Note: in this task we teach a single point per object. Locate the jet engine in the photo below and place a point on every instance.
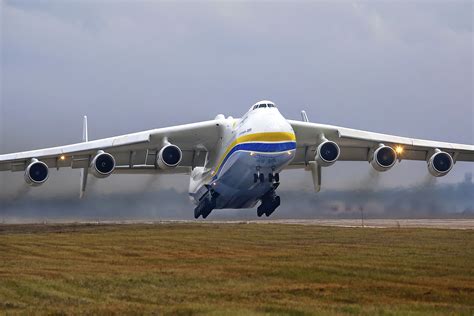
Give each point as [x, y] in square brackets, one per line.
[440, 163]
[327, 153]
[36, 173]
[169, 157]
[383, 158]
[103, 164]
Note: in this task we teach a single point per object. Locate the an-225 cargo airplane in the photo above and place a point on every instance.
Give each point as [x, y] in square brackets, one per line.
[235, 163]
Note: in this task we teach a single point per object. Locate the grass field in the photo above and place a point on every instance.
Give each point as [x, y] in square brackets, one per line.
[234, 269]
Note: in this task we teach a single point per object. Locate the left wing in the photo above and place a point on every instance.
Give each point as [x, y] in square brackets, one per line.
[358, 145]
[132, 153]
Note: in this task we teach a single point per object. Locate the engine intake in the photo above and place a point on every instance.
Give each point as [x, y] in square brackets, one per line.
[383, 158]
[36, 173]
[440, 163]
[327, 153]
[169, 157]
[103, 164]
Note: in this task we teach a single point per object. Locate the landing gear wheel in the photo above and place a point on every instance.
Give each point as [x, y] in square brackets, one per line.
[206, 205]
[197, 213]
[275, 204]
[270, 177]
[262, 178]
[277, 177]
[269, 203]
[206, 213]
[255, 178]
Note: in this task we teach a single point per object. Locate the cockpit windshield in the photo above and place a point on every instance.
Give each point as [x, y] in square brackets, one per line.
[263, 105]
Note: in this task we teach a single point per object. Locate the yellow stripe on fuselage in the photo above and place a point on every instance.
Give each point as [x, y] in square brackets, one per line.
[258, 137]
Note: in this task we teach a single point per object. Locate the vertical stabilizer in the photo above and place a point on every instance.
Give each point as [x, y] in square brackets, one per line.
[84, 171]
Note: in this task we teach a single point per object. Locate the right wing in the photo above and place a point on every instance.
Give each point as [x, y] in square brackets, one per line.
[356, 144]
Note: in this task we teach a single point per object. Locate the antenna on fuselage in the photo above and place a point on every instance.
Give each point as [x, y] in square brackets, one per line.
[304, 116]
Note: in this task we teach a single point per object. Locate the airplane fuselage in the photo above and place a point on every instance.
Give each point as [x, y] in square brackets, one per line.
[251, 153]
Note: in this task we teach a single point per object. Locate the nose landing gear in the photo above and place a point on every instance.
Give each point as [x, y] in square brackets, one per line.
[273, 177]
[258, 176]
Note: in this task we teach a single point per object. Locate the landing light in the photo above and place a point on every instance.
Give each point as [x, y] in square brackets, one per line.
[252, 153]
[399, 150]
[62, 157]
[289, 153]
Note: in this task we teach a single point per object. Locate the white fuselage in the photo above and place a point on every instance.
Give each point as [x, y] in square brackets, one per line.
[262, 141]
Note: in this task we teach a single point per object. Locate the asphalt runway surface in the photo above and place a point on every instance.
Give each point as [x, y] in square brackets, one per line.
[366, 223]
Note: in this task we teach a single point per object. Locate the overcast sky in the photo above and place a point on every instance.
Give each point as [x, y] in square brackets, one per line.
[402, 68]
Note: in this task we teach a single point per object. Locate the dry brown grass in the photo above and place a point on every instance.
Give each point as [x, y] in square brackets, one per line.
[235, 269]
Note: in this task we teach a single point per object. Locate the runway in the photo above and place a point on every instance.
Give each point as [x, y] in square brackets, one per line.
[383, 223]
[366, 223]
[355, 223]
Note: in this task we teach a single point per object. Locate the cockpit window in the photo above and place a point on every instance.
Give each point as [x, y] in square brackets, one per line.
[263, 106]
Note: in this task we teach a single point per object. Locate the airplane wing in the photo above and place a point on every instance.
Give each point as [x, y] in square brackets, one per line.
[133, 153]
[358, 145]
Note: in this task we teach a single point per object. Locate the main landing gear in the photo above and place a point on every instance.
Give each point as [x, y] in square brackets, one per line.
[206, 204]
[270, 201]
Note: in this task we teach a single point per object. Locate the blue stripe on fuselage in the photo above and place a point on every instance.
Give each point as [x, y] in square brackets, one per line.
[258, 147]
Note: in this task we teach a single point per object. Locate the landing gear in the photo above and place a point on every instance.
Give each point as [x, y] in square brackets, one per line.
[273, 177]
[258, 177]
[206, 205]
[270, 201]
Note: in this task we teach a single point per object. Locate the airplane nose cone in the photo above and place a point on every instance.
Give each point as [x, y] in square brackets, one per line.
[270, 120]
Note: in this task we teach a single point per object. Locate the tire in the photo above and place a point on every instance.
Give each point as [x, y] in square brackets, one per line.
[196, 212]
[270, 177]
[262, 178]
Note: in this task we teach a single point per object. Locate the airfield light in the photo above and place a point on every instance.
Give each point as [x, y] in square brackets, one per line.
[399, 150]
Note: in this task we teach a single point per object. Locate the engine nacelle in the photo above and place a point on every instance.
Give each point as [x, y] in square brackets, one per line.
[36, 173]
[327, 153]
[440, 163]
[169, 157]
[103, 164]
[383, 158]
